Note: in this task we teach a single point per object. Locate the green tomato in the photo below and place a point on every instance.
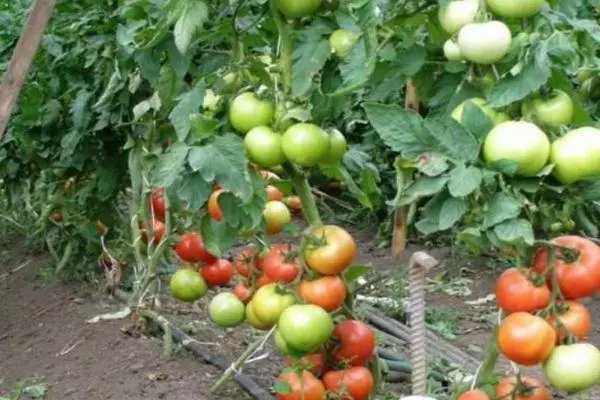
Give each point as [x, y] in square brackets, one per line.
[247, 111]
[457, 14]
[515, 8]
[573, 368]
[253, 319]
[556, 227]
[298, 8]
[341, 42]
[268, 304]
[569, 225]
[484, 43]
[305, 144]
[226, 310]
[518, 141]
[583, 75]
[452, 51]
[305, 327]
[187, 285]
[263, 146]
[576, 155]
[555, 111]
[337, 148]
[495, 116]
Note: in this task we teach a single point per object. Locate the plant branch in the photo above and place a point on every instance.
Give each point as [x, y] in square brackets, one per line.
[303, 190]
[285, 58]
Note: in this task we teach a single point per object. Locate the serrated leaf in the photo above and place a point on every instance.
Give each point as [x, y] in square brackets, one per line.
[423, 187]
[452, 211]
[310, 55]
[169, 165]
[142, 108]
[202, 127]
[515, 231]
[194, 190]
[476, 121]
[516, 87]
[407, 133]
[464, 180]
[432, 164]
[217, 236]
[501, 208]
[189, 103]
[355, 272]
[193, 16]
[223, 161]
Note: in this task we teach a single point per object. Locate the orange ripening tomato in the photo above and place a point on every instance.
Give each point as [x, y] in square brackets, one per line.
[263, 281]
[293, 203]
[526, 339]
[314, 363]
[280, 264]
[521, 290]
[334, 254]
[536, 389]
[475, 394]
[356, 383]
[243, 292]
[213, 206]
[576, 278]
[158, 203]
[274, 194]
[357, 342]
[277, 216]
[303, 386]
[328, 292]
[575, 320]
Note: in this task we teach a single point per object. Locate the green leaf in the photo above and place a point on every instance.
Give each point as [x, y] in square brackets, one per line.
[223, 161]
[464, 180]
[282, 387]
[310, 55]
[515, 231]
[516, 87]
[423, 187]
[592, 191]
[428, 225]
[355, 272]
[189, 103]
[452, 211]
[476, 121]
[142, 108]
[407, 133]
[193, 16]
[218, 237]
[202, 127]
[169, 165]
[432, 164]
[194, 190]
[359, 67]
[501, 208]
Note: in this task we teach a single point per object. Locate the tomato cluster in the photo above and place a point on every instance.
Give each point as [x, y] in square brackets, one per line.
[544, 319]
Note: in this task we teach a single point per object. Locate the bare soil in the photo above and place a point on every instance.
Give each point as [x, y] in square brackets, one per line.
[44, 334]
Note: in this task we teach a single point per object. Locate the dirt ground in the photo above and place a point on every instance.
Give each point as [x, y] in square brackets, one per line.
[44, 335]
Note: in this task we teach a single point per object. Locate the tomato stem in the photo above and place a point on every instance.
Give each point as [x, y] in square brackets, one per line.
[285, 59]
[303, 190]
[486, 373]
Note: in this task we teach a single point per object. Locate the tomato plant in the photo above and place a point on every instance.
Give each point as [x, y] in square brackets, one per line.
[213, 205]
[457, 14]
[158, 203]
[277, 216]
[357, 342]
[523, 388]
[556, 110]
[575, 155]
[573, 318]
[264, 146]
[334, 251]
[217, 273]
[574, 367]
[187, 285]
[515, 8]
[269, 303]
[280, 264]
[314, 363]
[242, 292]
[328, 292]
[484, 43]
[305, 327]
[302, 385]
[525, 338]
[474, 395]
[226, 310]
[305, 144]
[191, 249]
[247, 111]
[245, 261]
[355, 383]
[342, 42]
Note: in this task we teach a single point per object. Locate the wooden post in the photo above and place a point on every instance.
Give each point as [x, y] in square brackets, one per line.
[400, 234]
[22, 57]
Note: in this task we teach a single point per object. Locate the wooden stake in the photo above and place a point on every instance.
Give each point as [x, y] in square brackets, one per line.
[400, 235]
[22, 57]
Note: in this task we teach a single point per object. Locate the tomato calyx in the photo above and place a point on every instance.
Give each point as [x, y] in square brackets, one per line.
[522, 388]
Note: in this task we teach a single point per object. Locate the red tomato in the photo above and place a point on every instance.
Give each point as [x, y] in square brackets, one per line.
[521, 290]
[334, 254]
[536, 389]
[357, 342]
[475, 394]
[293, 203]
[213, 205]
[303, 386]
[355, 383]
[575, 320]
[191, 249]
[244, 260]
[243, 292]
[263, 281]
[158, 203]
[158, 227]
[57, 217]
[328, 292]
[315, 363]
[526, 339]
[218, 273]
[273, 193]
[578, 278]
[280, 264]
